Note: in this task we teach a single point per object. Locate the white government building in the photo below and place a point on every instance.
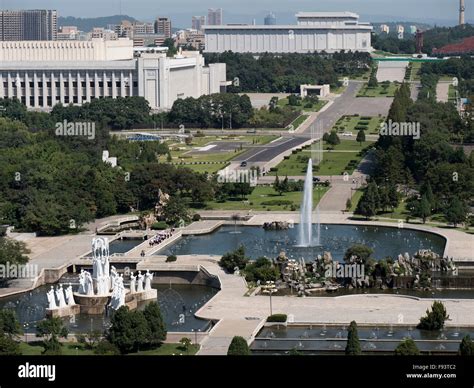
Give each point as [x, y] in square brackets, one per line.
[314, 31]
[42, 74]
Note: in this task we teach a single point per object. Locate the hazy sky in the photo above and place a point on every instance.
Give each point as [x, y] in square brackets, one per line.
[245, 10]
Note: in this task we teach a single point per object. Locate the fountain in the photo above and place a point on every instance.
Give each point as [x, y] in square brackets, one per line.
[305, 238]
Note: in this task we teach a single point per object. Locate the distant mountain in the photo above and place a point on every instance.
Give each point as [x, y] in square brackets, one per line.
[87, 24]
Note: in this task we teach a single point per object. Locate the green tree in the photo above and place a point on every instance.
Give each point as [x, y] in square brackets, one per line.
[175, 212]
[455, 211]
[8, 346]
[9, 323]
[434, 319]
[466, 347]
[353, 344]
[373, 83]
[234, 259]
[51, 329]
[129, 330]
[362, 253]
[423, 209]
[370, 201]
[277, 185]
[238, 347]
[185, 343]
[156, 324]
[407, 348]
[360, 136]
[333, 139]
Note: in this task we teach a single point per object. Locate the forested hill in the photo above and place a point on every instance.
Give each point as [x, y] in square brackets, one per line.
[87, 24]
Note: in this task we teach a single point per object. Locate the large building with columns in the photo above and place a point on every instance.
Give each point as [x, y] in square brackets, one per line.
[314, 32]
[45, 73]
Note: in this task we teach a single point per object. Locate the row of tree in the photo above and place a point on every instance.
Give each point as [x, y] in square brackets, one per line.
[284, 73]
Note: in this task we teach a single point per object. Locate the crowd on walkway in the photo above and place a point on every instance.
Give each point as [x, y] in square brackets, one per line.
[161, 236]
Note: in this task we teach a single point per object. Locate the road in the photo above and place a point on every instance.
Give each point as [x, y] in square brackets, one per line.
[346, 104]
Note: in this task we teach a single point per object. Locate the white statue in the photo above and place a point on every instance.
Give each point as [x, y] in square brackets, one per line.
[140, 282]
[113, 275]
[82, 283]
[148, 279]
[118, 294]
[51, 299]
[70, 296]
[60, 296]
[89, 284]
[100, 261]
[133, 282]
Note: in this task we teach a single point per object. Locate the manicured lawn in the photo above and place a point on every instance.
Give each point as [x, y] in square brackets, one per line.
[73, 349]
[212, 162]
[262, 194]
[379, 91]
[415, 70]
[335, 162]
[356, 196]
[298, 121]
[348, 124]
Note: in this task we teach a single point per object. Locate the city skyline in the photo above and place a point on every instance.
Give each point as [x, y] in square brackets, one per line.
[431, 11]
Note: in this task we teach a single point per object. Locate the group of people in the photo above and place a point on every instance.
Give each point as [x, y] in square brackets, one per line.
[160, 237]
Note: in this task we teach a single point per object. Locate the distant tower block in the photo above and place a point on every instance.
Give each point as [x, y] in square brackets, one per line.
[419, 41]
[384, 29]
[462, 10]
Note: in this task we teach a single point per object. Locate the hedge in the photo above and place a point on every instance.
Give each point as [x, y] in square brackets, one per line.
[277, 318]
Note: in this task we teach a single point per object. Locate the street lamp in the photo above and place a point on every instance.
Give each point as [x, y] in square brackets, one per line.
[270, 288]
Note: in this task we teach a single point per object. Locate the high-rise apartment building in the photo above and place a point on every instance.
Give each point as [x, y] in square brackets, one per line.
[163, 26]
[270, 20]
[214, 17]
[36, 24]
[198, 22]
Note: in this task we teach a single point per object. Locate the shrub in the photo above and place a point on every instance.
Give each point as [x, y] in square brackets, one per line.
[238, 347]
[434, 319]
[407, 348]
[277, 202]
[105, 348]
[234, 259]
[466, 348]
[171, 259]
[353, 344]
[196, 217]
[159, 225]
[281, 318]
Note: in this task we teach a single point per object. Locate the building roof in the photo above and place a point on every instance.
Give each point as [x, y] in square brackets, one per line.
[345, 15]
[289, 27]
[464, 47]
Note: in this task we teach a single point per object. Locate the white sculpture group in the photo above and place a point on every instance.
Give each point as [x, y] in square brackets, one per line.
[104, 281]
[57, 298]
[136, 282]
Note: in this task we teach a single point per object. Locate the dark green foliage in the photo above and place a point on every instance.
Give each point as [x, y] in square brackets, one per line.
[238, 347]
[353, 344]
[128, 330]
[276, 73]
[105, 348]
[262, 269]
[360, 136]
[8, 346]
[370, 201]
[466, 347]
[362, 253]
[234, 259]
[434, 319]
[9, 323]
[407, 348]
[171, 259]
[277, 318]
[156, 324]
[51, 329]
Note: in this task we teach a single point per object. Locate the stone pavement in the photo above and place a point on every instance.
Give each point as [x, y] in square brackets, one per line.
[391, 71]
[442, 91]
